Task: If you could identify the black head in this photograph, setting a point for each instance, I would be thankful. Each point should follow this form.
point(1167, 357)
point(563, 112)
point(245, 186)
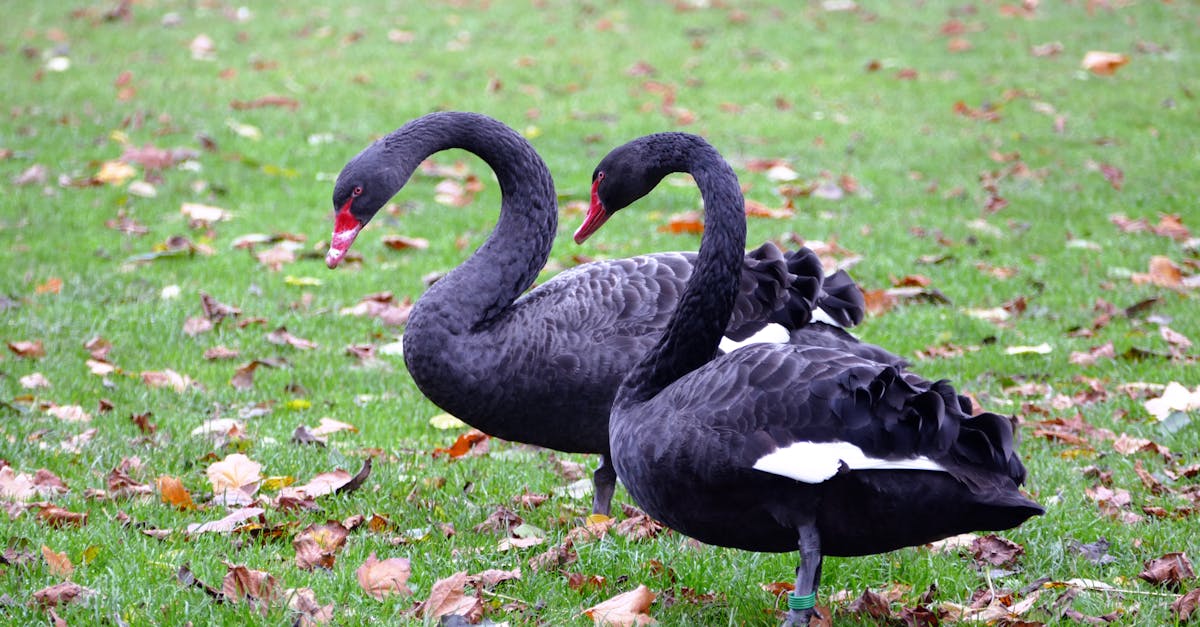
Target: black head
point(360, 192)
point(625, 175)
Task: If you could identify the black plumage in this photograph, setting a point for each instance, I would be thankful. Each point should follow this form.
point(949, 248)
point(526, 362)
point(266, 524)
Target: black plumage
point(542, 367)
point(831, 448)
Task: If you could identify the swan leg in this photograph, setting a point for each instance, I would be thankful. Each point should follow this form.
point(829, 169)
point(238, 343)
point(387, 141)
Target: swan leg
point(604, 483)
point(802, 601)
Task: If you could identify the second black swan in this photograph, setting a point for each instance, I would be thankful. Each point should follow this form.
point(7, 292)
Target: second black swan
point(785, 447)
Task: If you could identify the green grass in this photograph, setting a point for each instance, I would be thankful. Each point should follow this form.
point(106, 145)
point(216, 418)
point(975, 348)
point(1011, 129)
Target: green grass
point(561, 69)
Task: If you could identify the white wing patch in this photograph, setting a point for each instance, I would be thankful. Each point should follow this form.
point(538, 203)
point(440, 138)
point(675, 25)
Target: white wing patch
point(820, 315)
point(770, 334)
point(815, 462)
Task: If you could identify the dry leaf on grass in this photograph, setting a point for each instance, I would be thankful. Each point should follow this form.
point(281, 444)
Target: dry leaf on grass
point(624, 609)
point(281, 336)
point(338, 481)
point(58, 563)
point(1103, 63)
point(234, 473)
point(69, 413)
point(687, 222)
point(1170, 570)
point(494, 576)
point(58, 518)
point(400, 242)
point(251, 585)
point(22, 486)
point(554, 558)
point(1162, 272)
point(309, 611)
point(172, 492)
point(996, 551)
point(1175, 398)
point(382, 578)
point(1185, 606)
point(169, 378)
point(34, 381)
point(61, 594)
point(317, 545)
point(28, 349)
point(327, 426)
point(228, 523)
point(473, 442)
point(205, 214)
point(447, 597)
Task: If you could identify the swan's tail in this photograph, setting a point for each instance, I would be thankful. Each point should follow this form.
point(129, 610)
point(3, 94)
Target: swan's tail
point(774, 289)
point(842, 300)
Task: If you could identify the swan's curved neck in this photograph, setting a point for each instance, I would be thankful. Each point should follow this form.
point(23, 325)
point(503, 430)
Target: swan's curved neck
point(507, 263)
point(699, 321)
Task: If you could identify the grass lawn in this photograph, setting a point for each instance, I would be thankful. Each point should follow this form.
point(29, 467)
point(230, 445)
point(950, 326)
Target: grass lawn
point(957, 149)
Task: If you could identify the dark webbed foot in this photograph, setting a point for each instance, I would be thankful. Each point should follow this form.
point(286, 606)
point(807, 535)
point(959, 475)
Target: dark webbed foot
point(802, 603)
point(604, 484)
point(801, 618)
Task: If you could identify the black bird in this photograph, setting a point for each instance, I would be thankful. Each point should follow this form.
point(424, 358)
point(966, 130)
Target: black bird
point(779, 447)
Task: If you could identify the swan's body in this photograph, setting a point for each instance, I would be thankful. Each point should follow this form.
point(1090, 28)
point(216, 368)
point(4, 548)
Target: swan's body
point(542, 367)
point(829, 449)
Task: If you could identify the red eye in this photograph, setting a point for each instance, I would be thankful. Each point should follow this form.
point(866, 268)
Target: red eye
point(357, 192)
point(599, 176)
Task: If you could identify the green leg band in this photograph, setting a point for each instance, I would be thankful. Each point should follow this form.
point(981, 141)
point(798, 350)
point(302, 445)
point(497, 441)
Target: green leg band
point(802, 602)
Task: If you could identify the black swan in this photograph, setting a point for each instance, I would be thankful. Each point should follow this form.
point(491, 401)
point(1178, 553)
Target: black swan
point(779, 447)
point(543, 368)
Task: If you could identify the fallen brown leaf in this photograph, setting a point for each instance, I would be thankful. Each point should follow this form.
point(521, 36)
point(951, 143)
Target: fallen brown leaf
point(1163, 273)
point(69, 413)
point(309, 611)
point(186, 577)
point(680, 223)
point(291, 104)
point(473, 441)
point(216, 311)
point(58, 517)
point(554, 558)
point(1103, 63)
point(584, 583)
point(27, 349)
point(169, 378)
point(243, 377)
point(401, 242)
point(1185, 606)
point(228, 523)
point(872, 605)
point(172, 492)
point(220, 352)
point(282, 337)
point(58, 563)
point(447, 597)
point(625, 609)
point(994, 550)
point(234, 472)
point(501, 520)
point(1170, 570)
point(326, 426)
point(637, 525)
point(383, 578)
point(257, 587)
point(61, 594)
point(317, 545)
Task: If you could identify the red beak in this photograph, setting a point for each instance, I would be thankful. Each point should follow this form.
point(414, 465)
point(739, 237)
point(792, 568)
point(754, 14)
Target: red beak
point(345, 228)
point(596, 217)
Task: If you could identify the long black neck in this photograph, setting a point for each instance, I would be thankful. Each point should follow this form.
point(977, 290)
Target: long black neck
point(696, 327)
point(507, 263)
